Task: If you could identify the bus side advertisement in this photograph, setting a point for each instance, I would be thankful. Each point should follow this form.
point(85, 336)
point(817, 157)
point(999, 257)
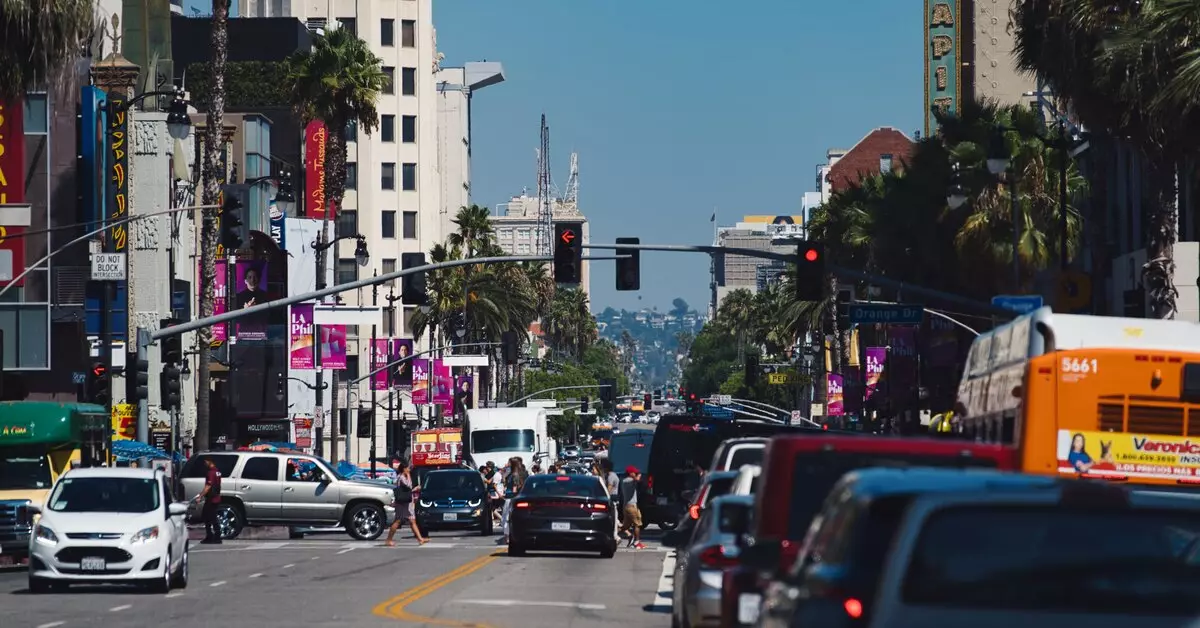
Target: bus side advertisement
point(1117, 455)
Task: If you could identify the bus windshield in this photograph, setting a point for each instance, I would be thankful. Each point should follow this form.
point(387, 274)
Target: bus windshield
point(24, 469)
point(491, 441)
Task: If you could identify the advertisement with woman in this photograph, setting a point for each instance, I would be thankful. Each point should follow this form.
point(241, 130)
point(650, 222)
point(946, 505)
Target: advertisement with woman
point(402, 372)
point(420, 382)
point(464, 394)
point(251, 291)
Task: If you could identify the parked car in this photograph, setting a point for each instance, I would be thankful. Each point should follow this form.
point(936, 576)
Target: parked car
point(715, 485)
point(562, 512)
point(454, 500)
point(266, 488)
point(700, 561)
point(109, 525)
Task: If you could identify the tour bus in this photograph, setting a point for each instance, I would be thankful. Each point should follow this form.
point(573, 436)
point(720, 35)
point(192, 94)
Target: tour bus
point(497, 434)
point(1089, 396)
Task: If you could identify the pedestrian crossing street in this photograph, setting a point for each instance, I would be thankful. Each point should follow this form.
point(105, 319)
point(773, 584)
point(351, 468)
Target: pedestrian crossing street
point(344, 547)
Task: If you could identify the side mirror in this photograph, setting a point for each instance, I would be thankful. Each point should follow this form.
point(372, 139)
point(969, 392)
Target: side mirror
point(762, 555)
point(177, 509)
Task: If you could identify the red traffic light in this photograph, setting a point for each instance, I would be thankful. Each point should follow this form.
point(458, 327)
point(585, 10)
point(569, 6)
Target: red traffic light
point(568, 236)
point(693, 396)
point(99, 370)
point(811, 255)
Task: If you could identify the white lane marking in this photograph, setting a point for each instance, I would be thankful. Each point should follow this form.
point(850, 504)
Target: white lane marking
point(583, 607)
point(347, 550)
point(662, 593)
point(289, 565)
point(122, 607)
point(255, 575)
point(269, 546)
point(315, 558)
point(52, 624)
point(175, 594)
point(217, 583)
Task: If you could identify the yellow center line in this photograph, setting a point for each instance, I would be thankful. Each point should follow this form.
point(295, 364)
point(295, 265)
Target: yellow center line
point(396, 607)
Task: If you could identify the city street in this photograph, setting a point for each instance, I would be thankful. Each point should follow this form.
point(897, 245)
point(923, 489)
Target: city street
point(455, 580)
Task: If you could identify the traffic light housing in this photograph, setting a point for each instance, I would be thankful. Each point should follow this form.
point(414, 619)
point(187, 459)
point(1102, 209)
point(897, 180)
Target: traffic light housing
point(583, 404)
point(99, 385)
point(750, 376)
point(811, 282)
point(231, 222)
point(509, 347)
point(142, 381)
point(629, 265)
point(608, 391)
point(568, 254)
point(171, 387)
point(845, 296)
point(647, 401)
point(412, 287)
point(366, 420)
point(281, 386)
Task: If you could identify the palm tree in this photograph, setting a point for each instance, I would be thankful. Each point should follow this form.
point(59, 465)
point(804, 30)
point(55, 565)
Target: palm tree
point(474, 229)
point(212, 176)
point(569, 324)
point(337, 81)
point(39, 38)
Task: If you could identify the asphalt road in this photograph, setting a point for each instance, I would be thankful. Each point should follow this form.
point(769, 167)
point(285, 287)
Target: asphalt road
point(455, 581)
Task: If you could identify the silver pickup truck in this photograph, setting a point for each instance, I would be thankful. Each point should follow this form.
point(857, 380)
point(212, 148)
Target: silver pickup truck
point(295, 490)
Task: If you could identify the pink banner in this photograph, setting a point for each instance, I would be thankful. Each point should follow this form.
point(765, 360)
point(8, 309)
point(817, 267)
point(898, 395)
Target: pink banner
point(443, 386)
point(402, 372)
point(219, 332)
point(379, 359)
point(834, 401)
point(420, 382)
point(464, 394)
point(301, 330)
point(876, 358)
point(333, 347)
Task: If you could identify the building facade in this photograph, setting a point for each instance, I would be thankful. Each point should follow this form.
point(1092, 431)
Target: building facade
point(455, 88)
point(516, 225)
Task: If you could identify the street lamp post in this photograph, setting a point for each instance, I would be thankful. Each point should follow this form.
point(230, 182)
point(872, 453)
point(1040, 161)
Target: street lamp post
point(362, 256)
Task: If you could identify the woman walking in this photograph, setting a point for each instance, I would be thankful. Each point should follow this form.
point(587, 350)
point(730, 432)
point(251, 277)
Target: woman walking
point(513, 483)
point(402, 501)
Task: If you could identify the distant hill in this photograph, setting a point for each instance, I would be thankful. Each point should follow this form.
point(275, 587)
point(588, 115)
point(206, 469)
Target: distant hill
point(653, 338)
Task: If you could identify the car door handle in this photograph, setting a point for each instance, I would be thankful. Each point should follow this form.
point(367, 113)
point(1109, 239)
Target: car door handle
point(244, 487)
point(289, 489)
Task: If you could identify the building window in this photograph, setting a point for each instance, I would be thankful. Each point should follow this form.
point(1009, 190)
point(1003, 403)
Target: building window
point(388, 224)
point(389, 87)
point(523, 234)
point(351, 176)
point(409, 174)
point(408, 319)
point(387, 176)
point(885, 164)
point(408, 129)
point(410, 225)
point(347, 223)
point(387, 128)
point(347, 271)
point(37, 116)
point(522, 249)
point(349, 24)
point(408, 82)
point(505, 233)
point(408, 33)
point(352, 131)
point(389, 266)
point(389, 321)
point(387, 32)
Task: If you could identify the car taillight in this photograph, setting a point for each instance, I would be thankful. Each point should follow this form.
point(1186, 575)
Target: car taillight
point(853, 607)
point(789, 551)
point(600, 507)
point(650, 482)
point(522, 505)
point(715, 558)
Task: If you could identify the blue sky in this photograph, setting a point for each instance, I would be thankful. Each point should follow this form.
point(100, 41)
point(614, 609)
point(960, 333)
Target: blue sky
point(679, 107)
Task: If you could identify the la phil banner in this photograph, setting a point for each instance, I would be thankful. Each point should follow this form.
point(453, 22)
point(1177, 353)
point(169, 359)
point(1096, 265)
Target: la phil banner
point(379, 359)
point(221, 293)
point(902, 360)
point(834, 401)
point(420, 382)
point(315, 202)
point(252, 290)
point(464, 394)
point(333, 347)
point(876, 359)
point(443, 386)
point(12, 189)
point(402, 373)
point(301, 328)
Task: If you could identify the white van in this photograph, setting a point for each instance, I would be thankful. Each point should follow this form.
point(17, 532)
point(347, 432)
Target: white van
point(497, 434)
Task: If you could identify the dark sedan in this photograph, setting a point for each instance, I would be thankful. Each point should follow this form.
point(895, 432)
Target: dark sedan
point(453, 500)
point(562, 512)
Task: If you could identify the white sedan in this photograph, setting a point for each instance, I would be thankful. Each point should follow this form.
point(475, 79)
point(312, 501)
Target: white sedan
point(110, 525)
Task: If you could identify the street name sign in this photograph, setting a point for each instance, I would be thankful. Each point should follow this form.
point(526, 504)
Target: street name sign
point(108, 267)
point(1019, 303)
point(895, 313)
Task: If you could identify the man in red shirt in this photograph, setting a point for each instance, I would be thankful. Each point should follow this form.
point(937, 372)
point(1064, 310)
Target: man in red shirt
point(211, 496)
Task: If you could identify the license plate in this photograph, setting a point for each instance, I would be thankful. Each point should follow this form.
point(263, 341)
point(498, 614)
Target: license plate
point(449, 516)
point(560, 527)
point(92, 563)
point(748, 605)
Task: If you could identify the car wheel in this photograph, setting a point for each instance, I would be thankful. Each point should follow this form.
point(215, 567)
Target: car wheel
point(40, 585)
point(365, 522)
point(181, 576)
point(295, 534)
point(667, 525)
point(609, 550)
point(515, 550)
point(230, 521)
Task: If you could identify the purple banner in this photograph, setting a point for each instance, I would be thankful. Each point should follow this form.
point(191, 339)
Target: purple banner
point(443, 386)
point(876, 359)
point(420, 382)
point(464, 394)
point(402, 373)
point(834, 401)
point(902, 359)
point(251, 291)
point(379, 359)
point(333, 347)
point(220, 333)
point(301, 331)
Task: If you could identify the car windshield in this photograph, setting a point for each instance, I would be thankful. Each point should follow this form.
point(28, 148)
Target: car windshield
point(453, 481)
point(564, 485)
point(106, 494)
point(490, 441)
point(1058, 559)
point(631, 450)
point(24, 470)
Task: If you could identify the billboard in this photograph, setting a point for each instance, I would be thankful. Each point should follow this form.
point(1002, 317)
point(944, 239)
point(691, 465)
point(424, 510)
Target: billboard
point(315, 202)
point(779, 226)
point(943, 90)
point(12, 189)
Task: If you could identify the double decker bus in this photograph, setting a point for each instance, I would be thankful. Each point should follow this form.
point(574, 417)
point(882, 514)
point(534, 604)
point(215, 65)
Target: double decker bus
point(1089, 396)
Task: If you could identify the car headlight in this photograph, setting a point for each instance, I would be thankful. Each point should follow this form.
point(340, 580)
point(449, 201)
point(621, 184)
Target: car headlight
point(425, 504)
point(45, 535)
point(145, 535)
point(474, 502)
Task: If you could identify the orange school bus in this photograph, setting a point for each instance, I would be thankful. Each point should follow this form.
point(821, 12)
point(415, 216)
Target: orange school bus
point(1089, 396)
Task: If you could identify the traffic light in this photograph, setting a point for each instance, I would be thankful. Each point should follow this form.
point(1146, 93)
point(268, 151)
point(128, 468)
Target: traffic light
point(568, 254)
point(169, 384)
point(658, 394)
point(231, 222)
point(692, 405)
point(647, 401)
point(583, 405)
point(142, 380)
point(412, 287)
point(281, 386)
point(629, 266)
point(366, 419)
point(99, 385)
point(608, 391)
point(810, 271)
point(845, 296)
point(750, 377)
